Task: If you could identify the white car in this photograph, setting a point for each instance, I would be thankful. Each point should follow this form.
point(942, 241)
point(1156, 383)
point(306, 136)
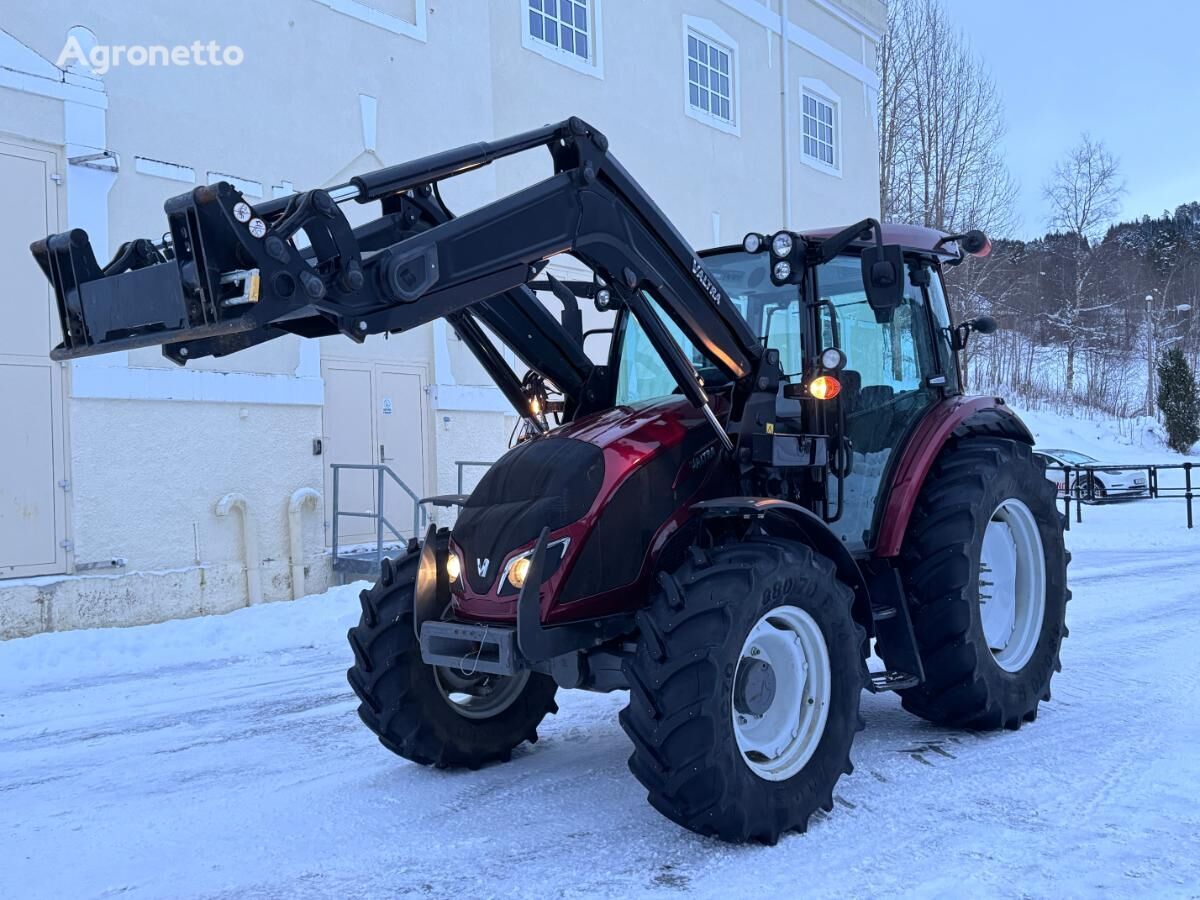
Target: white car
point(1100, 482)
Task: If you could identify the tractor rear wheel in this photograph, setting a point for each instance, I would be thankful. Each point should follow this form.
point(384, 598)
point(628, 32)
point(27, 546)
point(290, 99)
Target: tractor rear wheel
point(435, 715)
point(744, 690)
point(985, 568)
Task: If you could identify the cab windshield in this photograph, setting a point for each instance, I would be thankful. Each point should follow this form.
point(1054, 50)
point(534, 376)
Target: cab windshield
point(892, 357)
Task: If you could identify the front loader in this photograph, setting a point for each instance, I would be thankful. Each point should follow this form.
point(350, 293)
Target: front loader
point(774, 470)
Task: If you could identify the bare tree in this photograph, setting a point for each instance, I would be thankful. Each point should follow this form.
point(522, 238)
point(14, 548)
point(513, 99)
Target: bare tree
point(1084, 195)
point(941, 121)
point(1084, 190)
point(895, 79)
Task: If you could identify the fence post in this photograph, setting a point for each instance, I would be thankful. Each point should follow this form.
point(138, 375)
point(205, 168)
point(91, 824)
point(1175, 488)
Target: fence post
point(336, 473)
point(1078, 499)
point(1187, 481)
point(379, 517)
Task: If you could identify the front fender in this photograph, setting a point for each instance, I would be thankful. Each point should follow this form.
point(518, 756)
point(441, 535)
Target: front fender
point(785, 519)
point(953, 417)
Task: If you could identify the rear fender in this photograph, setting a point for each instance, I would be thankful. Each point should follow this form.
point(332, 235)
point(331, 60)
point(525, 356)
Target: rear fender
point(953, 417)
point(781, 518)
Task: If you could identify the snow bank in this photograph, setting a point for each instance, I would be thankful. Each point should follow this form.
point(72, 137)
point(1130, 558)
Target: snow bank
point(266, 630)
point(1109, 439)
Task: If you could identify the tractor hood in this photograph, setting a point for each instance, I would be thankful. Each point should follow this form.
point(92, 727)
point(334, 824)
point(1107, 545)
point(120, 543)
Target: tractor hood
point(605, 486)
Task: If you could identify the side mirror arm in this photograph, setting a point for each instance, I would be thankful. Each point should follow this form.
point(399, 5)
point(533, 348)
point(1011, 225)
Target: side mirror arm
point(960, 333)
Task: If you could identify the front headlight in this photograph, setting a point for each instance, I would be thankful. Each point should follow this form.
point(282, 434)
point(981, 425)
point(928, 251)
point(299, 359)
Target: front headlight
point(453, 566)
point(516, 570)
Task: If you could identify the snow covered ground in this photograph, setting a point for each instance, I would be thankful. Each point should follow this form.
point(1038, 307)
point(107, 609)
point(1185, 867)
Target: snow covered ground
point(221, 757)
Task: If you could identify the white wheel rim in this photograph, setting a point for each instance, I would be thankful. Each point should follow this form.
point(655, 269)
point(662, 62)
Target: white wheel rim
point(1012, 585)
point(479, 696)
point(780, 742)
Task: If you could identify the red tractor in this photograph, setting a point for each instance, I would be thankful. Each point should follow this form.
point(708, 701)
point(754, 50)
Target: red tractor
point(774, 467)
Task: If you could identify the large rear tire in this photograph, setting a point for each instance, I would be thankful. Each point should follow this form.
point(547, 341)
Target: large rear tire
point(985, 568)
point(433, 715)
point(722, 746)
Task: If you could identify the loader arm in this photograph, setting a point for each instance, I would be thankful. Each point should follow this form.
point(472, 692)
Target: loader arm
point(230, 274)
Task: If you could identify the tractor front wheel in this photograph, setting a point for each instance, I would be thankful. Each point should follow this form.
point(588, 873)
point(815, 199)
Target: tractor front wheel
point(433, 715)
point(744, 690)
point(985, 568)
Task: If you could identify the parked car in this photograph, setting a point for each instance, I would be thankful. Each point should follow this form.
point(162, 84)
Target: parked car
point(1099, 483)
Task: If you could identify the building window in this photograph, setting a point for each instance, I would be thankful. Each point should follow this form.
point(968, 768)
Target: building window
point(564, 24)
point(710, 78)
point(710, 74)
point(819, 127)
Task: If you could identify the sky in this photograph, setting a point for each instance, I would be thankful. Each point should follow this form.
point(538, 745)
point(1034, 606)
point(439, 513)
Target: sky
point(1125, 72)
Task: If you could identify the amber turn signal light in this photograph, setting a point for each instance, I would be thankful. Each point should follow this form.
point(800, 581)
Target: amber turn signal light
point(824, 387)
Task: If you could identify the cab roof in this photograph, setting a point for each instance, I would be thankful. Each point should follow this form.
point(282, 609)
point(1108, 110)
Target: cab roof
point(910, 237)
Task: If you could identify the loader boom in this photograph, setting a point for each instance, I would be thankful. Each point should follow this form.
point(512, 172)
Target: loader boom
point(229, 274)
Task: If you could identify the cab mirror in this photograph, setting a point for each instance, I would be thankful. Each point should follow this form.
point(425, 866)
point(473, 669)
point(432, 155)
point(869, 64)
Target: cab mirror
point(976, 243)
point(962, 332)
point(883, 279)
point(983, 324)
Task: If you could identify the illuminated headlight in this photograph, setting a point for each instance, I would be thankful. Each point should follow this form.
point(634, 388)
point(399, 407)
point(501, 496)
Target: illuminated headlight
point(453, 566)
point(752, 243)
point(783, 270)
point(832, 359)
point(516, 570)
point(781, 244)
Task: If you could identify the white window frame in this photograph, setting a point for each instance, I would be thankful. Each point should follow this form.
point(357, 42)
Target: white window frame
point(364, 12)
point(713, 35)
point(822, 93)
point(593, 66)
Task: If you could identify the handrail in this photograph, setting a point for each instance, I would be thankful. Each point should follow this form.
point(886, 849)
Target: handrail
point(420, 517)
point(1072, 489)
point(463, 463)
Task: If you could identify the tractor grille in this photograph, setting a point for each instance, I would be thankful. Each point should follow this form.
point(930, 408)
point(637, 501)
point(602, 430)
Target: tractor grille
point(548, 482)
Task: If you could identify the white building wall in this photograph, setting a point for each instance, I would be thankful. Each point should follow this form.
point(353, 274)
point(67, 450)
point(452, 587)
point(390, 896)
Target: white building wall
point(329, 88)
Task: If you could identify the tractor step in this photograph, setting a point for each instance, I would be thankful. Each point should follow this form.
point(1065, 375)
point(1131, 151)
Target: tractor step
point(881, 682)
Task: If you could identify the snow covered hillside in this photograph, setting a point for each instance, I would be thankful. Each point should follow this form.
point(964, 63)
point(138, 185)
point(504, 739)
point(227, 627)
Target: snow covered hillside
point(1136, 440)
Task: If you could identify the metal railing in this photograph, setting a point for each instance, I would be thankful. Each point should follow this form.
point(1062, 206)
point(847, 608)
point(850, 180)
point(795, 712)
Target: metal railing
point(381, 521)
point(463, 463)
point(1081, 486)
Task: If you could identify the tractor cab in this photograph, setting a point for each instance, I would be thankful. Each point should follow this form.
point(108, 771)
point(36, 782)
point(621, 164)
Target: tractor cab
point(861, 379)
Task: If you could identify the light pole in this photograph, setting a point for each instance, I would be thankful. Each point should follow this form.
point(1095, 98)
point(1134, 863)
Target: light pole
point(1149, 357)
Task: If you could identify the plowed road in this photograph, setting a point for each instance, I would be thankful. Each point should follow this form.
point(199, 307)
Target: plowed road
point(222, 757)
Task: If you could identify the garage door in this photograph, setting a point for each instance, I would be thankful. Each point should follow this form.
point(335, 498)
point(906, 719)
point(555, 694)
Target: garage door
point(32, 507)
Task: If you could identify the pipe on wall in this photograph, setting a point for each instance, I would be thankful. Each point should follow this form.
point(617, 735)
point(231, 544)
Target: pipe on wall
point(303, 497)
point(249, 544)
